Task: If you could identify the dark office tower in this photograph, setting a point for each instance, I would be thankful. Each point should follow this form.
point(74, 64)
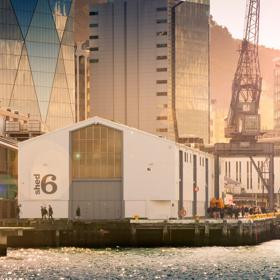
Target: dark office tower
point(149, 65)
point(37, 59)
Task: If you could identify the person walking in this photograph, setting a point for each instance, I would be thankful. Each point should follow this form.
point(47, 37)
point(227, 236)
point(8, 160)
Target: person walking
point(42, 212)
point(242, 212)
point(50, 213)
point(78, 212)
point(222, 213)
point(236, 213)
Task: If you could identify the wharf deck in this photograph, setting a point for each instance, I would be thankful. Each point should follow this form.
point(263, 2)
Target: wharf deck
point(131, 232)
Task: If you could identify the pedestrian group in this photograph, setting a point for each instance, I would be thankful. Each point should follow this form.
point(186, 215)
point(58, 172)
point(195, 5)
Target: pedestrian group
point(46, 213)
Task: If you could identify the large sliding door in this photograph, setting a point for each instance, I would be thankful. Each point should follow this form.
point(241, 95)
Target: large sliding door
point(98, 199)
point(96, 168)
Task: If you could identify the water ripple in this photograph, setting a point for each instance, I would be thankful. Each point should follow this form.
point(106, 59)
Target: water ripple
point(258, 262)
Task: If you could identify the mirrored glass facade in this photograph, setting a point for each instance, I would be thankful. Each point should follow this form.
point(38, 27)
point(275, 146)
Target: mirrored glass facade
point(190, 24)
point(37, 73)
point(96, 153)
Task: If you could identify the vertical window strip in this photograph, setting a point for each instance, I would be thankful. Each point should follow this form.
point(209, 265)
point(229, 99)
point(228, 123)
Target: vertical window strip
point(226, 168)
point(240, 171)
point(259, 175)
point(236, 171)
point(247, 175)
point(251, 177)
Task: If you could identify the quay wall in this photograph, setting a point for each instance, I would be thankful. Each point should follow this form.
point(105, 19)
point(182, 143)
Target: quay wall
point(126, 233)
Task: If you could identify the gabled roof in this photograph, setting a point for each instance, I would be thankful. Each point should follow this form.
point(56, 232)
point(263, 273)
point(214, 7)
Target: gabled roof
point(112, 124)
point(96, 120)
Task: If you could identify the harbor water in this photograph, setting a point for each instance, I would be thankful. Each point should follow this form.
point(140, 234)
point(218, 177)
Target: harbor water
point(256, 262)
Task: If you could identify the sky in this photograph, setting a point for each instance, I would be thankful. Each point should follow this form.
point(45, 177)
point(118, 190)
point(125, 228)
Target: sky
point(231, 13)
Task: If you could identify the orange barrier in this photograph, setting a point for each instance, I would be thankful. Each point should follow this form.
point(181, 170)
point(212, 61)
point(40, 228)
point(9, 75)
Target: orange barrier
point(264, 216)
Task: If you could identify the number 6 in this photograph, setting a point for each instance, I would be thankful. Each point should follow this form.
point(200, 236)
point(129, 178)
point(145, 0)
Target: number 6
point(44, 184)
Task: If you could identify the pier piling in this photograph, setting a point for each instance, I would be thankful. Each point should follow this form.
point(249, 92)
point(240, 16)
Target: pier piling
point(185, 232)
point(3, 244)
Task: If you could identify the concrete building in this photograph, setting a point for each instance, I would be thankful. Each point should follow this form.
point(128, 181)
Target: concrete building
point(17, 126)
point(239, 178)
point(150, 65)
point(82, 95)
point(112, 171)
point(37, 59)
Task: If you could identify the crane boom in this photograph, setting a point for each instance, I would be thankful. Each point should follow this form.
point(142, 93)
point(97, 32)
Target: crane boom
point(243, 121)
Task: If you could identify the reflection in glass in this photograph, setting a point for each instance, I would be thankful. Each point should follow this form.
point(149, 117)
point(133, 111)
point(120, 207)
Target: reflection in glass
point(192, 69)
point(8, 173)
point(32, 33)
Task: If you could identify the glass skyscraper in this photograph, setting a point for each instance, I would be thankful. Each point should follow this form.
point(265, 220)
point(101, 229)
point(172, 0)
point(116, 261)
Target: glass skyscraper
point(190, 72)
point(37, 73)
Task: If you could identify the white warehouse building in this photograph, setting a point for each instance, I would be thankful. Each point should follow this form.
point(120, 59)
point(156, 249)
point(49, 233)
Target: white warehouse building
point(111, 171)
point(239, 177)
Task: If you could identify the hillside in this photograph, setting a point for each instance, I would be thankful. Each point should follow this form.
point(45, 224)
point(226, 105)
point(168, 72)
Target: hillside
point(223, 60)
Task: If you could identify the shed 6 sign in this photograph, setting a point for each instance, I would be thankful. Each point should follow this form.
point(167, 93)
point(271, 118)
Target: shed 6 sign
point(44, 184)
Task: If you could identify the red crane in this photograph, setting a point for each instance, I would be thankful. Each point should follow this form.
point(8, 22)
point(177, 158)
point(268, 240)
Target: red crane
point(243, 121)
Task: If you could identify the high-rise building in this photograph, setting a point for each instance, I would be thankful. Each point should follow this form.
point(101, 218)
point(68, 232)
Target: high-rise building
point(149, 65)
point(37, 73)
point(190, 66)
point(82, 95)
point(277, 94)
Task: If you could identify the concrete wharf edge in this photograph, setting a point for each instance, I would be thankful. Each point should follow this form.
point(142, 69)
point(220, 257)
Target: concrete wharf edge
point(134, 233)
